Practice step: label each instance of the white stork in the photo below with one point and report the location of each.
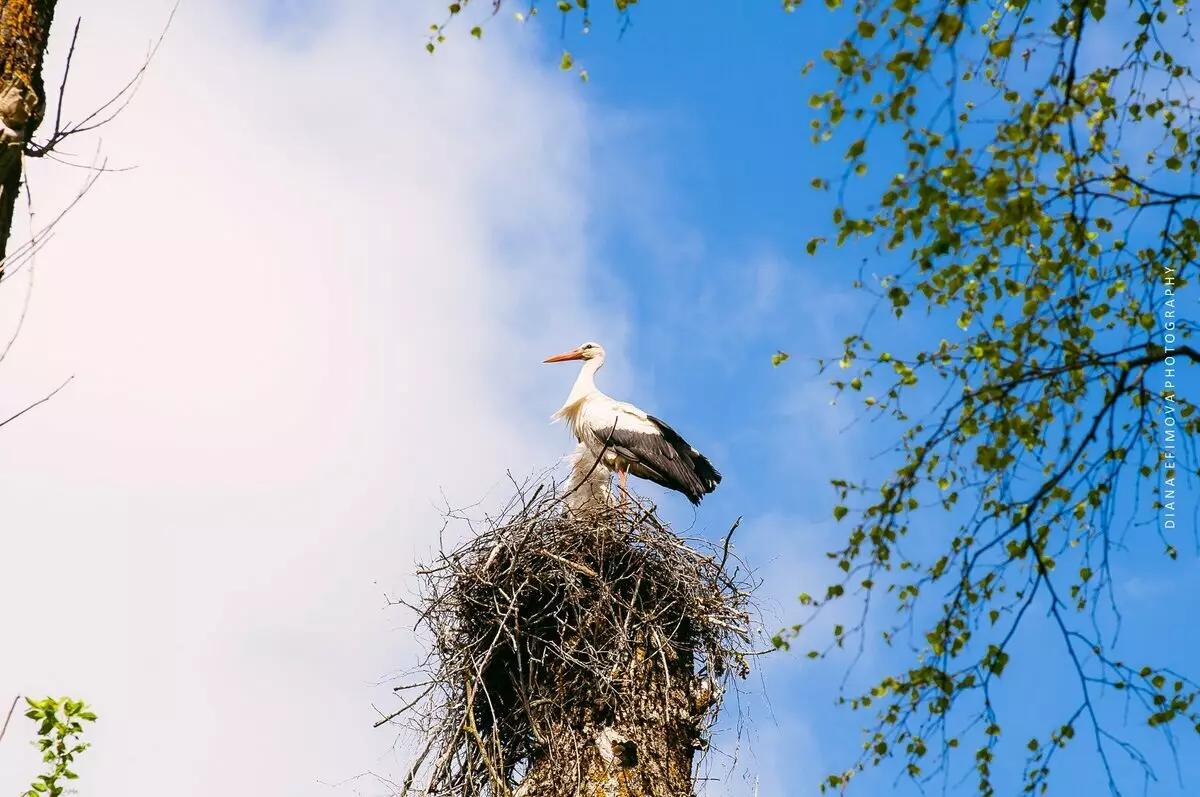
(627, 439)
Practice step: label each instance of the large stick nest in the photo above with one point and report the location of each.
(534, 623)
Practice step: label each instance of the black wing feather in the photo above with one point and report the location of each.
(709, 476)
(665, 459)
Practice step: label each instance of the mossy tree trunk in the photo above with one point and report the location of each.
(24, 31)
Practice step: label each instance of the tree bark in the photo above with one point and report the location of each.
(24, 31)
(642, 747)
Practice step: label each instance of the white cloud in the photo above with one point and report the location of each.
(322, 297)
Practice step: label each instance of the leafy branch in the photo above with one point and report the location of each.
(1047, 235)
(60, 725)
(531, 8)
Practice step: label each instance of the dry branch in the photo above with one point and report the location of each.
(8, 717)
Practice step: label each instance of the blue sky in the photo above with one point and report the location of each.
(254, 459)
(704, 245)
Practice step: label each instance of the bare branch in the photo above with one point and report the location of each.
(37, 403)
(106, 112)
(8, 717)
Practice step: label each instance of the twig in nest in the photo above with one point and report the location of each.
(728, 537)
(587, 571)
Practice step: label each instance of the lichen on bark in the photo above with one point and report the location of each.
(24, 33)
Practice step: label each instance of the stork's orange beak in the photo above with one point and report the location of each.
(566, 356)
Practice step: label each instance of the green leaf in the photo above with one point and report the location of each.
(998, 660)
(477, 32)
(566, 62)
(839, 512)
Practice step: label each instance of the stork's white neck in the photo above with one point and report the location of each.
(585, 383)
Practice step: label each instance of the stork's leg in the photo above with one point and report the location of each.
(622, 475)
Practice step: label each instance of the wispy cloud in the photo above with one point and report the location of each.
(292, 327)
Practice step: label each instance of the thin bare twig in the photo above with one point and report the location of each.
(62, 88)
(4, 727)
(102, 115)
(728, 537)
(39, 402)
(24, 254)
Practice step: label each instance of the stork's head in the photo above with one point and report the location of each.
(587, 351)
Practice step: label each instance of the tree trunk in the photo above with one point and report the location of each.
(642, 747)
(24, 31)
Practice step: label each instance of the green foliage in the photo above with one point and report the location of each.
(1037, 207)
(572, 11)
(60, 725)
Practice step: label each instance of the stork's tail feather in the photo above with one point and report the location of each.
(709, 476)
(706, 477)
(701, 477)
